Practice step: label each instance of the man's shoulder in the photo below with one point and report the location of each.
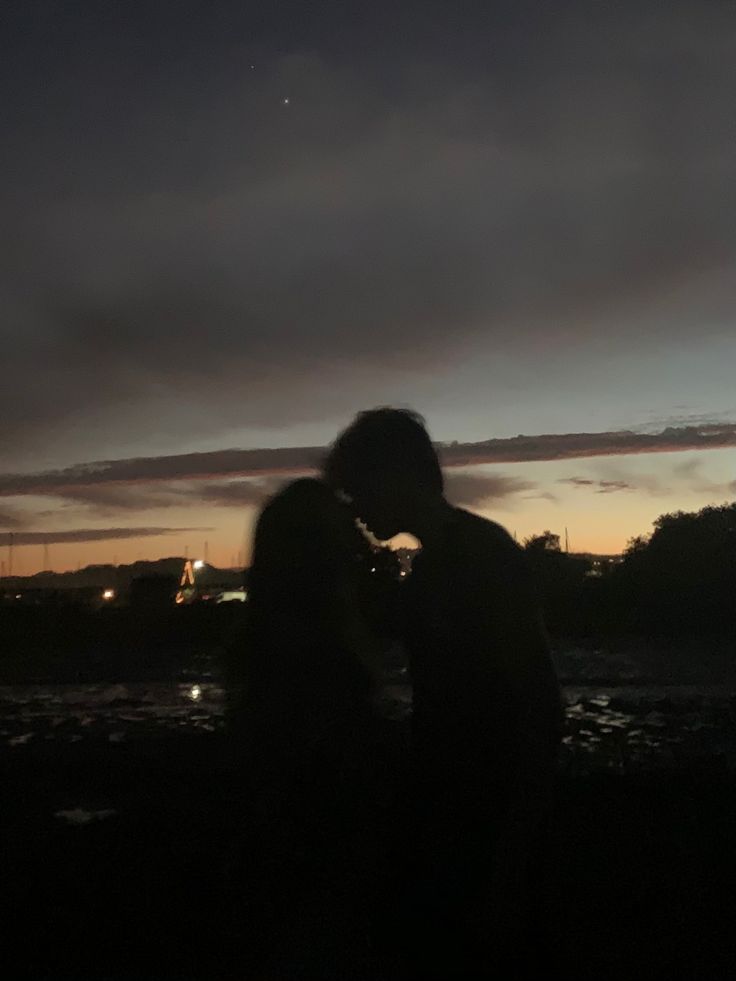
(483, 531)
(488, 545)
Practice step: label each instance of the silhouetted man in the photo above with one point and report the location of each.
(486, 709)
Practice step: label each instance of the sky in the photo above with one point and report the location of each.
(230, 226)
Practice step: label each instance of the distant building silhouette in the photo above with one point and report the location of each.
(201, 582)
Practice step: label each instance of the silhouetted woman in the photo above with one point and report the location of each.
(303, 711)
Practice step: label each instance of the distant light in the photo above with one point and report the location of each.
(19, 596)
(232, 595)
(286, 101)
(199, 564)
(373, 569)
(195, 693)
(109, 594)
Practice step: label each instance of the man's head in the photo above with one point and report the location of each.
(386, 463)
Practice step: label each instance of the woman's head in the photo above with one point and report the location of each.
(303, 548)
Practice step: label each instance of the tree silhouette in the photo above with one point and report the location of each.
(682, 578)
(546, 542)
(560, 580)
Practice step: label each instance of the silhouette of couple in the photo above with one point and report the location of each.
(375, 857)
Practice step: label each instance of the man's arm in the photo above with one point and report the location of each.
(525, 644)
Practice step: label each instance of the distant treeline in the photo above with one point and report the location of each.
(99, 576)
(680, 580)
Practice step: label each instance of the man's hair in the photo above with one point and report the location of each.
(386, 441)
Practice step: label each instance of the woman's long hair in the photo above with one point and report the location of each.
(301, 598)
(301, 575)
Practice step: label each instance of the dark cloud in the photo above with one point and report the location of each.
(687, 469)
(543, 496)
(12, 519)
(149, 470)
(87, 535)
(691, 471)
(612, 478)
(685, 419)
(240, 493)
(685, 475)
(610, 486)
(114, 498)
(473, 489)
(577, 445)
(189, 250)
(601, 486)
(294, 460)
(725, 490)
(107, 499)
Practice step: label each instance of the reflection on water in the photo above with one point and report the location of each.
(639, 728)
(80, 816)
(111, 712)
(618, 726)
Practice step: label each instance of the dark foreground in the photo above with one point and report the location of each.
(638, 880)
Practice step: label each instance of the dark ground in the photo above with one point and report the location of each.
(639, 878)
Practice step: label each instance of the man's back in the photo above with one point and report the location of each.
(479, 653)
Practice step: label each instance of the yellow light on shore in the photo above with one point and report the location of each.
(109, 594)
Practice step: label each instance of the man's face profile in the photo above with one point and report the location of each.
(379, 505)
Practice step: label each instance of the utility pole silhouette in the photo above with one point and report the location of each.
(246, 543)
(45, 556)
(567, 543)
(206, 553)
(10, 555)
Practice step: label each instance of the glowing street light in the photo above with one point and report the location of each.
(199, 564)
(109, 594)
